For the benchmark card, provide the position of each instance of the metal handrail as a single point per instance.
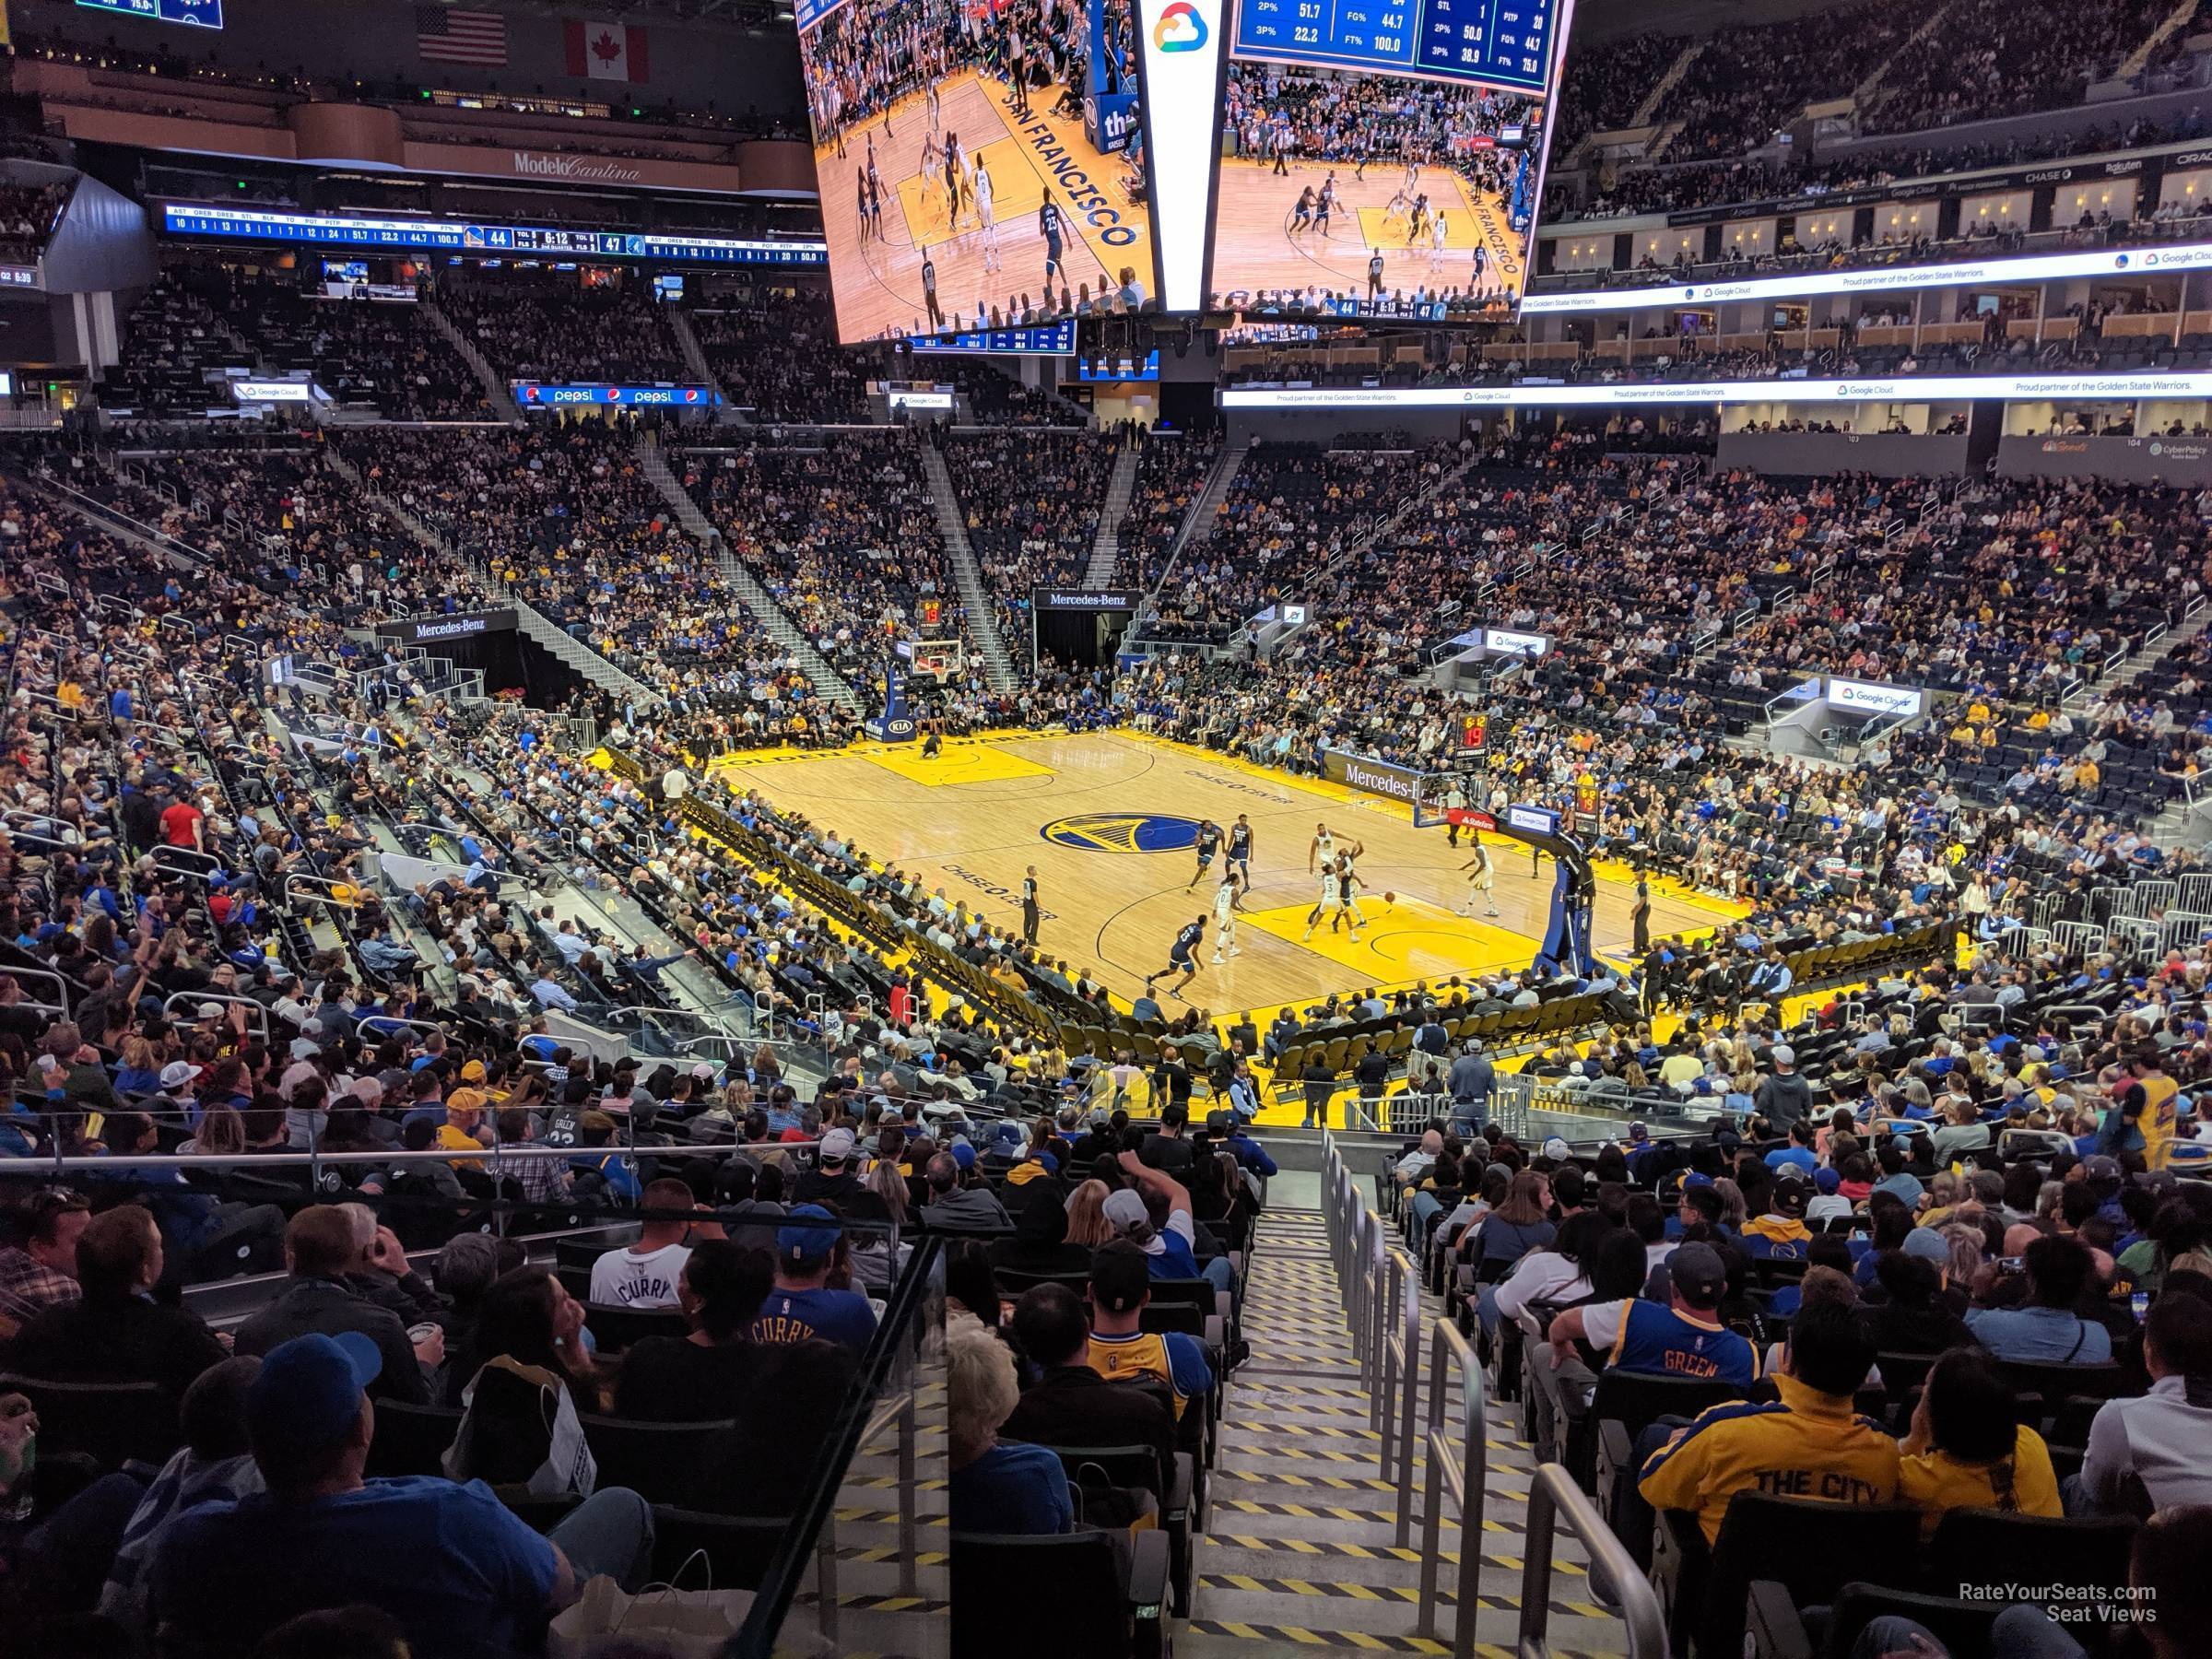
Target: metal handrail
(1394, 1405)
(1551, 1496)
(1457, 1466)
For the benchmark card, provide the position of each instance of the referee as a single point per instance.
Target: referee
(1029, 911)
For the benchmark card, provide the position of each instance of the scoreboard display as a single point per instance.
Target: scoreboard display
(195, 13)
(1495, 43)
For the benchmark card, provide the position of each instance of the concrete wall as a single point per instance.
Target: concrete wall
(2185, 461)
(1883, 454)
(717, 68)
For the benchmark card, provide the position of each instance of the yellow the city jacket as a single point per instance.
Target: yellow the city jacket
(1807, 1445)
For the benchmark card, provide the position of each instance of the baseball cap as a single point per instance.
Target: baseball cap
(1696, 1178)
(1828, 1180)
(802, 1244)
(308, 1393)
(1784, 1054)
(1789, 1198)
(177, 1074)
(963, 1154)
(208, 1010)
(1124, 1208)
(1697, 1275)
(1640, 1130)
(837, 1145)
(1556, 1148)
(1120, 1277)
(1051, 1162)
(473, 1072)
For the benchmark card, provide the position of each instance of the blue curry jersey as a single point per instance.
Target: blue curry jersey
(1655, 1339)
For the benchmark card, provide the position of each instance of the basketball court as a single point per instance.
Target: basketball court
(1109, 818)
(877, 281)
(1257, 248)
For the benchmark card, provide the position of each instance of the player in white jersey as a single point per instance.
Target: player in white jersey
(1227, 903)
(1331, 900)
(933, 170)
(985, 217)
(1481, 878)
(1438, 233)
(1323, 853)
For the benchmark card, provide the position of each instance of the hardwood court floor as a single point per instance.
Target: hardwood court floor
(877, 284)
(1082, 809)
(1255, 247)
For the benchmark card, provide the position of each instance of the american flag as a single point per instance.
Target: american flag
(460, 37)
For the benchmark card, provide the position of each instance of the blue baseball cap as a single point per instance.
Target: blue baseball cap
(1828, 1180)
(1696, 1178)
(963, 1154)
(306, 1395)
(1051, 1162)
(803, 1244)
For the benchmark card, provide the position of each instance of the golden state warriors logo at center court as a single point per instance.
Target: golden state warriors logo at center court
(1122, 833)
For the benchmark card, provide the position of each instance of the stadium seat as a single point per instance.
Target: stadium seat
(111, 1423)
(1074, 1585)
(662, 1462)
(1811, 1547)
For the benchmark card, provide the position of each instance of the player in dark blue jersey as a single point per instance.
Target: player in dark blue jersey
(1183, 958)
(1209, 844)
(1240, 848)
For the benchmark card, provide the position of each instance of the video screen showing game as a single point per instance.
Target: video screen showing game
(979, 165)
(1355, 192)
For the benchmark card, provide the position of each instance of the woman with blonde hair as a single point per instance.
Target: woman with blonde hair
(139, 1073)
(997, 1486)
(221, 1134)
(1086, 1223)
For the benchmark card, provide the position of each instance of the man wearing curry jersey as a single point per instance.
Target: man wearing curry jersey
(1121, 1284)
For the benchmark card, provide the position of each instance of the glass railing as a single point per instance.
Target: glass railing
(864, 1566)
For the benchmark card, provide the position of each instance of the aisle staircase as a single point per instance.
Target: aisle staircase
(1303, 1546)
(967, 575)
(774, 620)
(561, 645)
(495, 385)
(1649, 108)
(1106, 542)
(695, 356)
(1201, 518)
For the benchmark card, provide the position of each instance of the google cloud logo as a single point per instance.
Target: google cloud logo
(1179, 28)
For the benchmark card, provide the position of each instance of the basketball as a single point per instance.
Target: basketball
(1390, 898)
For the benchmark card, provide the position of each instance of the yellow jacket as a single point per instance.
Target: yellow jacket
(2024, 1483)
(1807, 1445)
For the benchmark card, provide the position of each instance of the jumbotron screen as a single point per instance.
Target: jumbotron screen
(988, 164)
(976, 162)
(1385, 158)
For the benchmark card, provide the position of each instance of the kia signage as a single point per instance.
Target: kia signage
(458, 625)
(1086, 599)
(539, 395)
(1862, 698)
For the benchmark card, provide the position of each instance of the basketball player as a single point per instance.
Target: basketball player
(1239, 849)
(932, 169)
(1349, 884)
(969, 164)
(1437, 232)
(1332, 900)
(1396, 207)
(1323, 848)
(1225, 905)
(1051, 226)
(937, 120)
(1326, 203)
(1417, 223)
(986, 218)
(1182, 959)
(1302, 215)
(1482, 877)
(1411, 183)
(1208, 843)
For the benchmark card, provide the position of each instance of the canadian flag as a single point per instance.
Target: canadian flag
(607, 50)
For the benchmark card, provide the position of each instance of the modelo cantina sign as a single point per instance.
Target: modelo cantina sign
(430, 631)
